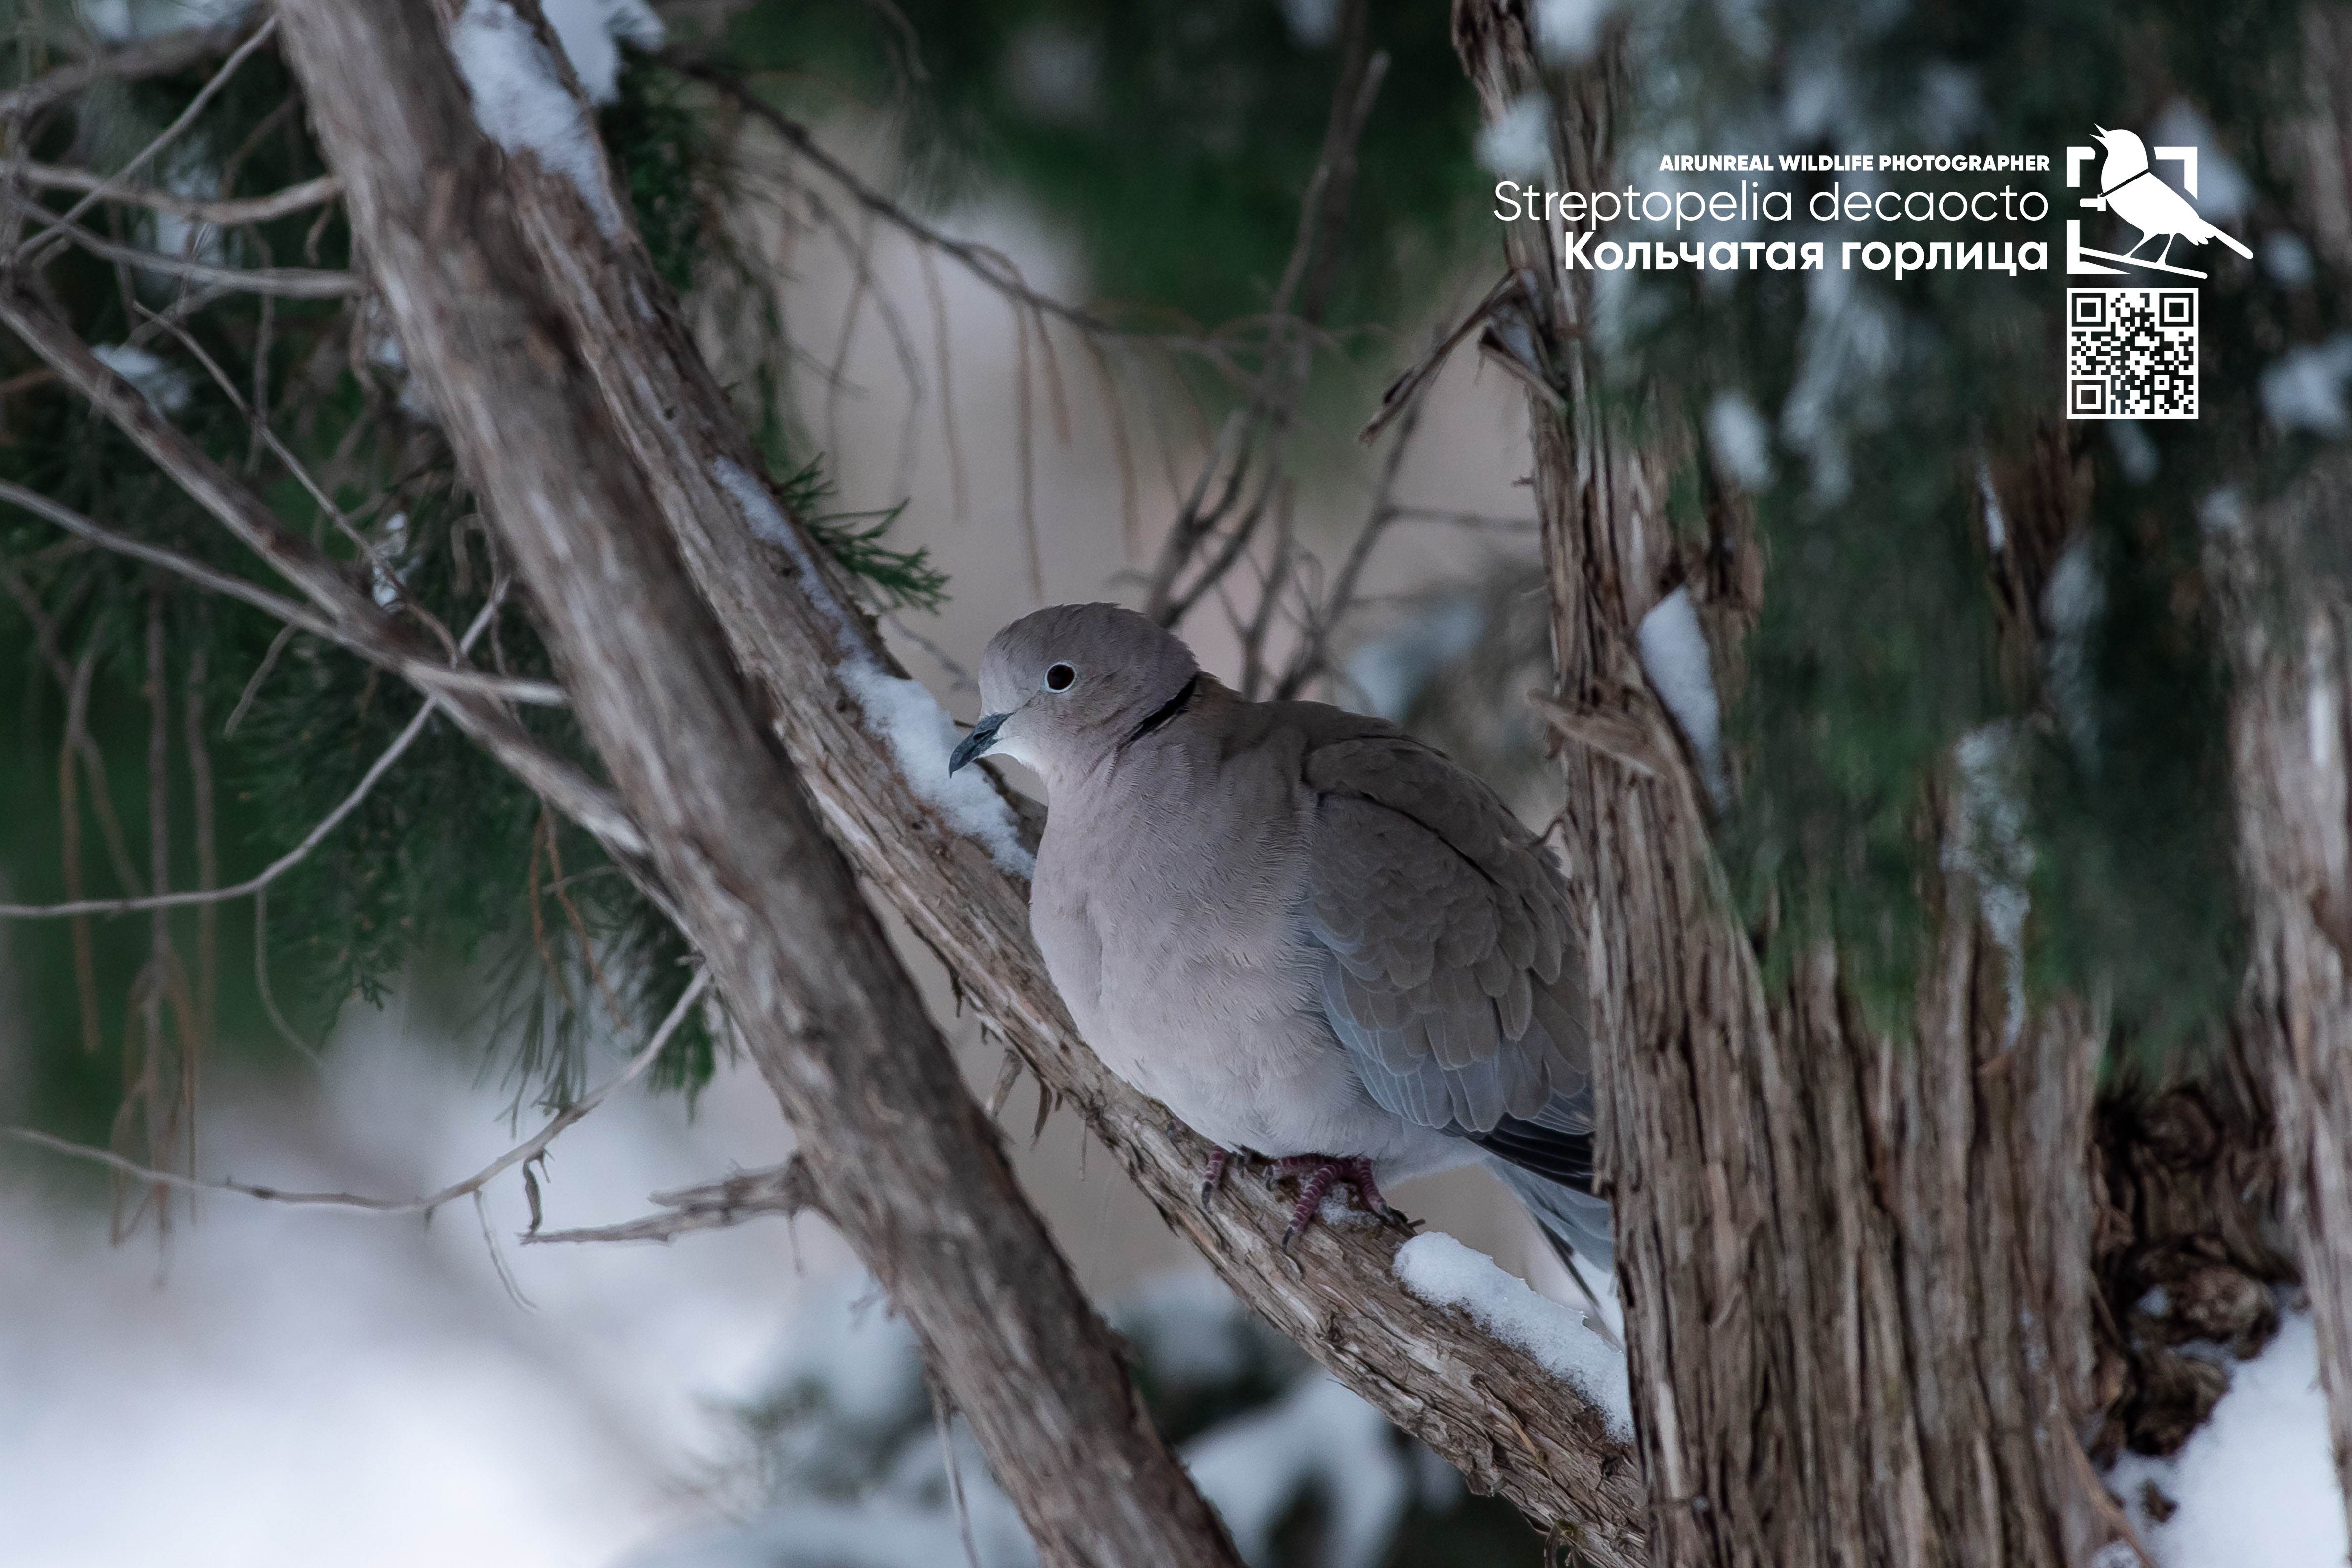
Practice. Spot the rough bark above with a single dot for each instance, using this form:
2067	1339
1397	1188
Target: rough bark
2285	570
2290	729
1856	1269
1486	1406
899	1155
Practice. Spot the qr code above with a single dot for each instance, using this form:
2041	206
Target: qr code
2131	353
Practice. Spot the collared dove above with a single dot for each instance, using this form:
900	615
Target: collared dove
1312	937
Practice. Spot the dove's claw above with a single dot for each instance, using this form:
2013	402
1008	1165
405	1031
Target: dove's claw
1322	1174
1212	1175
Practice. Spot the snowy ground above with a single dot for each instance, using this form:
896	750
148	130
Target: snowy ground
2253	1488
300	1386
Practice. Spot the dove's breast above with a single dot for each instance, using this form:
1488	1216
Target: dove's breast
1166	902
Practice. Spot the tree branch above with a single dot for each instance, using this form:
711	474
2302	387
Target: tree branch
350	612
159	56
784	1189
792	629
521	1154
229	213
905	1163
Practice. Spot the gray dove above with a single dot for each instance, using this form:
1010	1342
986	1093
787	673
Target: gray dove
1315	939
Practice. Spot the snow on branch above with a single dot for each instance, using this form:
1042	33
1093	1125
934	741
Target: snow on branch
900	713
520	102
1444	1272
1674	656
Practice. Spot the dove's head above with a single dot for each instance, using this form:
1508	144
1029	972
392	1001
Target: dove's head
2127	153
1061	688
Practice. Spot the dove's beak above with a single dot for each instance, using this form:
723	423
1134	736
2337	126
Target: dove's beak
982	737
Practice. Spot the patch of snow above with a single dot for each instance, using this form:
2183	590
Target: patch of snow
2223	192
1741	441
2288	260
2255	1483
2135	453
2221	510
902	713
920	737
1996	522
520	102
1390	671
1951	104
167	386
1314	22
1318	1436
1444	1272
1568	32
768	525
2156	1303
2072	604
121	21
1991	848
2302	389
592	33
1674	656
1519	145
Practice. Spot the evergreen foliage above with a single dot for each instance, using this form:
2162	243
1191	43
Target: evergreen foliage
1879	645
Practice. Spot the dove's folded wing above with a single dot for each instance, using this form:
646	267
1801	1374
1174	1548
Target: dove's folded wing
1445	952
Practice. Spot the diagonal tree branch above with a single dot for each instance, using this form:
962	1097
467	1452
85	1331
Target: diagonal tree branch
358	621
902	1159
793	629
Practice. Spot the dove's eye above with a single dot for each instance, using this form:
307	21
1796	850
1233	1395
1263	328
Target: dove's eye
1059	677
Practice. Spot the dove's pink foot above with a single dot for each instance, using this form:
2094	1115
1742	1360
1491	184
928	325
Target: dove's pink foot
1322	1172
1213	1175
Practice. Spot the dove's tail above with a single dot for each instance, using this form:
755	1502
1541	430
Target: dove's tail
2231	241
1577	1225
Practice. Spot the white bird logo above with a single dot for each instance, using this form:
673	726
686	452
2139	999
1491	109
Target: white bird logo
2128	189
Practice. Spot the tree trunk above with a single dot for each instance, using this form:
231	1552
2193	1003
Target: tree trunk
2285	568
2291	726
1856	1269
899	1157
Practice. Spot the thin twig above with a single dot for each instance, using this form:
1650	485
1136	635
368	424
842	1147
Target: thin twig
282	282
784	1189
291	858
160	56
230	212
529	1149
31	253
422	671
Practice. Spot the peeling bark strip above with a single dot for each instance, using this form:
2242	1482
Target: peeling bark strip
896	1152
1855	1270
629	369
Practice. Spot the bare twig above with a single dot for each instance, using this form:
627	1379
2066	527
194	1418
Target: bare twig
159	56
280	282
784	1189
1249	452
417	668
206	895
227	213
31	252
529	1149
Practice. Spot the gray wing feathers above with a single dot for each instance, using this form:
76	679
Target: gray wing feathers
1443	935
